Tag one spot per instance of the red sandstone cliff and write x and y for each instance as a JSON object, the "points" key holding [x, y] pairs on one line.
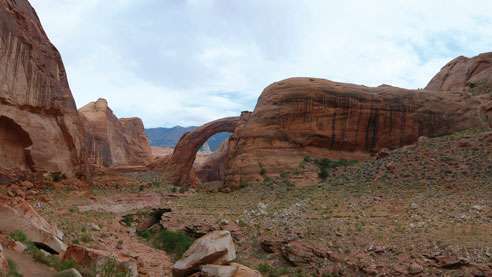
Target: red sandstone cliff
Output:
{"points": [[39, 125], [301, 117], [114, 142]]}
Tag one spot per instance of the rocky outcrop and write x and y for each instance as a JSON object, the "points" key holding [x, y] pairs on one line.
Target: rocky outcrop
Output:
{"points": [[465, 74], [178, 169], [17, 215], [39, 126], [113, 142], [99, 259], [214, 248], [4, 266], [301, 117], [472, 75]]}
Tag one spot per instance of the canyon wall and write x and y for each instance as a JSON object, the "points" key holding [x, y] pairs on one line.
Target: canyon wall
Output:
{"points": [[112, 141], [301, 117], [39, 125]]}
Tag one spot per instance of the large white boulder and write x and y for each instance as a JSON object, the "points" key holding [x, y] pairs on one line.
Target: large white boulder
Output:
{"points": [[214, 248]]}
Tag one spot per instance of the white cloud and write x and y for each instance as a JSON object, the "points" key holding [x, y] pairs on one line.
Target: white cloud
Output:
{"points": [[187, 62]]}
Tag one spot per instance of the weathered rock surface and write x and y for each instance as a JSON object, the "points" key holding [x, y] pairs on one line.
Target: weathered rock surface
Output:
{"points": [[89, 258], [472, 75], [301, 117], [232, 270], [68, 273], [464, 74], [179, 166], [214, 248], [39, 125], [17, 214], [213, 168], [114, 142], [4, 266]]}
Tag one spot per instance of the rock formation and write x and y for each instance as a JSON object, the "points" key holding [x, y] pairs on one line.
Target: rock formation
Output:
{"points": [[464, 74], [179, 166], [213, 167], [17, 215], [301, 117], [113, 141], [39, 126], [472, 75]]}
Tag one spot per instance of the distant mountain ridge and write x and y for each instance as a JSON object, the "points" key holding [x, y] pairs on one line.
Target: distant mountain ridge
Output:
{"points": [[169, 137]]}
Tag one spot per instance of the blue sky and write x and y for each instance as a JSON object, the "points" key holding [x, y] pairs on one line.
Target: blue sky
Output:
{"points": [[186, 62]]}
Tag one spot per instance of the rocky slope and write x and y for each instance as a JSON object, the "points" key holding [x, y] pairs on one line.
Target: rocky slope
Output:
{"points": [[301, 117], [113, 141], [39, 125]]}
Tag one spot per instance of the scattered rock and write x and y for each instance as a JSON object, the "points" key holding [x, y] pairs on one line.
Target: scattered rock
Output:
{"points": [[68, 273], [214, 248], [218, 270], [88, 257], [94, 227], [4, 266], [19, 247], [244, 271], [17, 214], [415, 268]]}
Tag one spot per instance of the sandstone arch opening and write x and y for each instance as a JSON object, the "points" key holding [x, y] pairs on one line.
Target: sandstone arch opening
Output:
{"points": [[15, 145], [209, 164], [179, 170]]}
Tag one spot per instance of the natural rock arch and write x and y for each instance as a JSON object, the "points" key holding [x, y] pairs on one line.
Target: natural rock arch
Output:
{"points": [[179, 167], [15, 145]]}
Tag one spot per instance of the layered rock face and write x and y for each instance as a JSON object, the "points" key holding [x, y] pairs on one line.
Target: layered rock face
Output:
{"points": [[178, 168], [39, 125], [464, 74], [301, 117], [472, 75], [114, 142]]}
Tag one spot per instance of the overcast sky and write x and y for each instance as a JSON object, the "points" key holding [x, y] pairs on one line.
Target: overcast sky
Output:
{"points": [[186, 62]]}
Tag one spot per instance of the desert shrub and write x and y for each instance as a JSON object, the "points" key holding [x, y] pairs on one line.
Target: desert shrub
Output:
{"points": [[13, 271], [172, 242], [57, 176], [128, 220], [325, 165], [263, 170], [18, 235], [271, 271], [111, 268]]}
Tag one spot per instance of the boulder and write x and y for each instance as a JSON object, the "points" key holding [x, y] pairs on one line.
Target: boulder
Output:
{"points": [[113, 141], [214, 248], [232, 270], [4, 265], [244, 271], [218, 270], [40, 129], [68, 273], [16, 214], [88, 257]]}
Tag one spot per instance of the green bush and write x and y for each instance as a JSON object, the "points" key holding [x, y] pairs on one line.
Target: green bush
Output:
{"points": [[172, 242], [268, 270], [325, 165], [13, 271], [18, 235]]}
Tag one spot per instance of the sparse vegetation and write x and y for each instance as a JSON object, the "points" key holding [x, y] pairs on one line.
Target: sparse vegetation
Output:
{"points": [[325, 165], [271, 271], [13, 271], [172, 242]]}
